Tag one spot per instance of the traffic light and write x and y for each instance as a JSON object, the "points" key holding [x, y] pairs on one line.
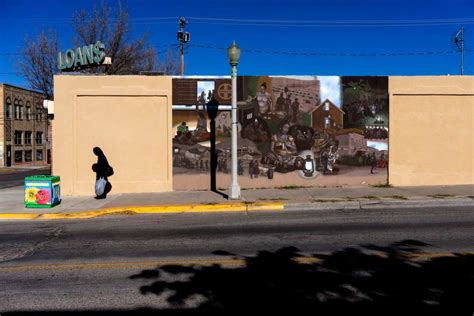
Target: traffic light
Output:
{"points": [[184, 37]]}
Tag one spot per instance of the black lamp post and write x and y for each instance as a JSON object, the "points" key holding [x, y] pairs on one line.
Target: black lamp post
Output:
{"points": [[212, 107]]}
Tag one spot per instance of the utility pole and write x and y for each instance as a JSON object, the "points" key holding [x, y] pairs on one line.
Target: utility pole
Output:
{"points": [[183, 38], [459, 41]]}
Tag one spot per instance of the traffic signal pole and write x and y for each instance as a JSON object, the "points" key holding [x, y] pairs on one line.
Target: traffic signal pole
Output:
{"points": [[183, 38]]}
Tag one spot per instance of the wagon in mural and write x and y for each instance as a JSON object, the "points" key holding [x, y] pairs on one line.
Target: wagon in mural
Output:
{"points": [[192, 137]]}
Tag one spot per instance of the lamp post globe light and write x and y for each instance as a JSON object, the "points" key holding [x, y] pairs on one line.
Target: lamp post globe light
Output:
{"points": [[233, 52]]}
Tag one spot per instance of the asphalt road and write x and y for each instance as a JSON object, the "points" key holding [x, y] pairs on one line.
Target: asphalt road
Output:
{"points": [[109, 263], [16, 178]]}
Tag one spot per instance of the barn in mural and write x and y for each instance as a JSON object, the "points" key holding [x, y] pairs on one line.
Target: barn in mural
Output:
{"points": [[316, 130]]}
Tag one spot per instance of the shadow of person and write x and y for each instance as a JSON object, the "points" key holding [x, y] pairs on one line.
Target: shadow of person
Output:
{"points": [[103, 171]]}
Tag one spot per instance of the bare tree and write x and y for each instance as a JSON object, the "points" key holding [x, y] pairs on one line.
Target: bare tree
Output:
{"points": [[38, 62], [130, 55], [169, 63]]}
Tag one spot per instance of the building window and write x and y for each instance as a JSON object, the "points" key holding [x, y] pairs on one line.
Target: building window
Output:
{"points": [[17, 138], [18, 156], [28, 138], [28, 111], [39, 155], [327, 122], [326, 106], [22, 110], [8, 103], [16, 109], [39, 112], [28, 156], [39, 138]]}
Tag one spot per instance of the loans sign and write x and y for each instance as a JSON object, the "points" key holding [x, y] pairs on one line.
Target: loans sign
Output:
{"points": [[82, 57]]}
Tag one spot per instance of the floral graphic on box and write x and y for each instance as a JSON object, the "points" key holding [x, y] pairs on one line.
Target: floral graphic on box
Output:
{"points": [[30, 195], [43, 197]]}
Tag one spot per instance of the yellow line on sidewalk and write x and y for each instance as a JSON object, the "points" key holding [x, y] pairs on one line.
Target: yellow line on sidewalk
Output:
{"points": [[163, 209]]}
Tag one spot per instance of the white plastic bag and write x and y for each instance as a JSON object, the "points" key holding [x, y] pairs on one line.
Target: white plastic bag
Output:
{"points": [[100, 186]]}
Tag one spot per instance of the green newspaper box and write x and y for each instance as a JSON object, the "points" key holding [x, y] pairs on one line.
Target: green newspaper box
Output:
{"points": [[42, 191]]}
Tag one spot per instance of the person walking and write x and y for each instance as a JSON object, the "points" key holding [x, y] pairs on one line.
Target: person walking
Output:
{"points": [[373, 163], [240, 168], [103, 171], [224, 165], [251, 169], [256, 169]]}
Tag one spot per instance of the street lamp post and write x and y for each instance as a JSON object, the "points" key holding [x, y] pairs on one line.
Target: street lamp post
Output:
{"points": [[233, 52]]}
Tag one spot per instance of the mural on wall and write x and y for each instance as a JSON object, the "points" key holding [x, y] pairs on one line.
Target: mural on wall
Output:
{"points": [[304, 126]]}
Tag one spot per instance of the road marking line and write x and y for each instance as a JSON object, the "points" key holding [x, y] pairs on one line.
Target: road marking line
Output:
{"points": [[225, 262], [122, 265]]}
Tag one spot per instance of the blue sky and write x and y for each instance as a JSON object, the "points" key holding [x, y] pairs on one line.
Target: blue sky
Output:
{"points": [[272, 25]]}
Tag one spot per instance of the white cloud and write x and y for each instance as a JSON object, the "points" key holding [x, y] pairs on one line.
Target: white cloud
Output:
{"points": [[330, 87]]}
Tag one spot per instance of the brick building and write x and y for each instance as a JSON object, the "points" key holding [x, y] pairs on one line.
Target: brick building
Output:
{"points": [[24, 137]]}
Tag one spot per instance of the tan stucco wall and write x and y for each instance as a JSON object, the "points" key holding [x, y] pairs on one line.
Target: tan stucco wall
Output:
{"points": [[128, 117], [431, 139]]}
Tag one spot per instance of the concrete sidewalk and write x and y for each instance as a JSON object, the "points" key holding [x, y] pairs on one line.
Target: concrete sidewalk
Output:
{"points": [[288, 198]]}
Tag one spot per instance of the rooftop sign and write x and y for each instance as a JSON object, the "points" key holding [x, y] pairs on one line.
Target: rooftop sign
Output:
{"points": [[82, 57]]}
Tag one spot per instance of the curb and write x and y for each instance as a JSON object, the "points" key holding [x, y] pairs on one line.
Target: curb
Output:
{"points": [[377, 204], [331, 204], [156, 209]]}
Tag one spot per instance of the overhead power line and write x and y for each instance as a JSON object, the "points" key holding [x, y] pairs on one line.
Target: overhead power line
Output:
{"points": [[267, 22], [363, 21], [332, 23], [264, 51], [332, 54]]}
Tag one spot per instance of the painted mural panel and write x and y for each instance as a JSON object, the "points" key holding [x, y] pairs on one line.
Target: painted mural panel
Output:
{"points": [[295, 130]]}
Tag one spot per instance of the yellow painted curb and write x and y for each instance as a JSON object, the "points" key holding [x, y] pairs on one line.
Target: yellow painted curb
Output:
{"points": [[162, 209]]}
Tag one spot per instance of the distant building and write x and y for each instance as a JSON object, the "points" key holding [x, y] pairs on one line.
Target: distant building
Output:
{"points": [[350, 141], [327, 116], [24, 136]]}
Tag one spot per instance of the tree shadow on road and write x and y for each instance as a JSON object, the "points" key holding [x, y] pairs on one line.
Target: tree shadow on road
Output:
{"points": [[371, 278], [378, 280]]}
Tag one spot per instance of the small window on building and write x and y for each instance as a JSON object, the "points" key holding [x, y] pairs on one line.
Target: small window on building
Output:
{"points": [[18, 137], [39, 138], [28, 138], [327, 122], [326, 106], [8, 104], [39, 113], [18, 156], [22, 110], [39, 155], [28, 156], [16, 109], [28, 111]]}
